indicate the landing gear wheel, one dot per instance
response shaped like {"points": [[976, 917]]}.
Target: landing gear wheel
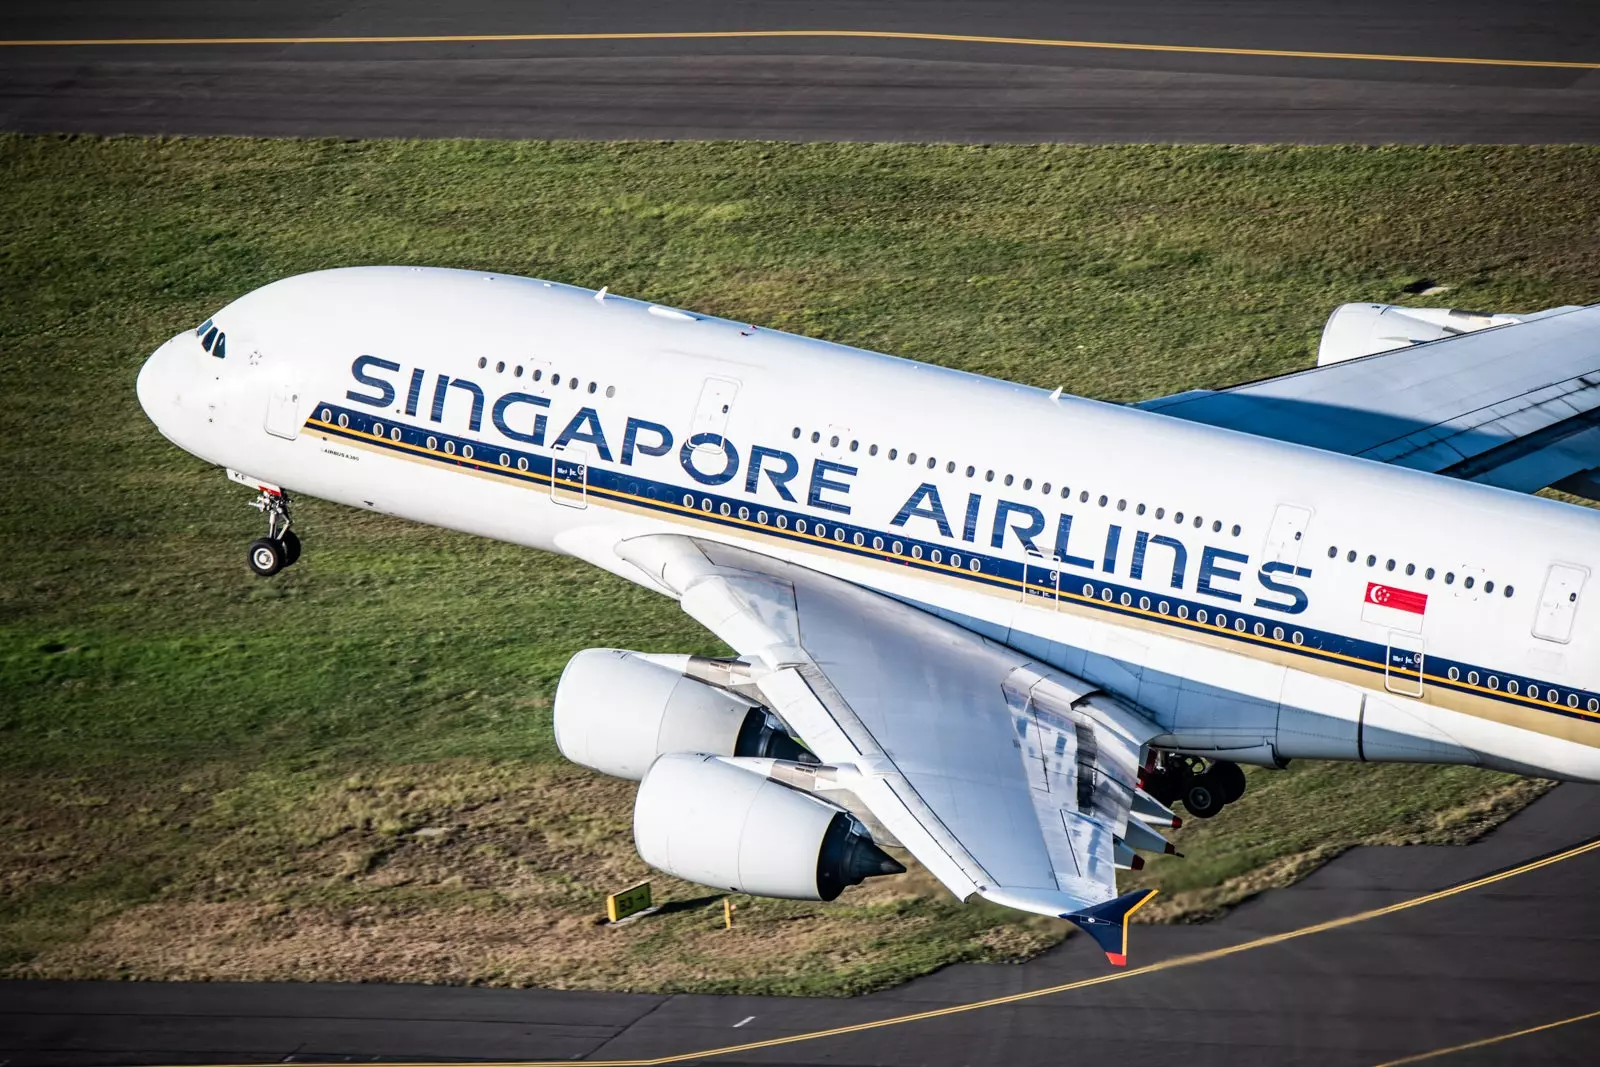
{"points": [[266, 556], [1229, 778], [1203, 796], [291, 555]]}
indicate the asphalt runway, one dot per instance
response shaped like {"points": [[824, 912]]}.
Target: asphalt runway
{"points": [[1512, 955], [812, 88]]}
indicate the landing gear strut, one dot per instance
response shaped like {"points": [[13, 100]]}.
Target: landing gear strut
{"points": [[280, 548], [1205, 787]]}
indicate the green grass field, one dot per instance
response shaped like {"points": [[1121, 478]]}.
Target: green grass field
{"points": [[348, 772]]}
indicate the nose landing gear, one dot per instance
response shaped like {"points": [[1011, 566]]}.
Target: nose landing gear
{"points": [[281, 547], [1205, 787]]}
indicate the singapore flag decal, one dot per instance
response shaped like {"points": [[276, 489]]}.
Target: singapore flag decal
{"points": [[1396, 609]]}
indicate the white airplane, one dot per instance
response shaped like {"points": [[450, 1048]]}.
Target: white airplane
{"points": [[998, 627]]}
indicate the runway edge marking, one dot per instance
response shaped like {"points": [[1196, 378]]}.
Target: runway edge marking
{"points": [[897, 35], [1016, 998]]}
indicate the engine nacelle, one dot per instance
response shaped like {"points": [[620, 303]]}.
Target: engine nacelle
{"points": [[713, 821], [1355, 330], [616, 711]]}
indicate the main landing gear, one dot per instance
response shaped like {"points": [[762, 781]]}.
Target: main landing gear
{"points": [[280, 548], [1204, 786]]}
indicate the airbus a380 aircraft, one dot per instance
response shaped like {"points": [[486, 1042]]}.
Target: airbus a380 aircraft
{"points": [[998, 627]]}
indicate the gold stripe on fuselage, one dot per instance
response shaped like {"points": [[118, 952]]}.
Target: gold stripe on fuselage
{"points": [[1480, 702]]}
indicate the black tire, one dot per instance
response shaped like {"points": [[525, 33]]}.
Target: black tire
{"points": [[291, 548], [266, 557], [1204, 797], [1230, 779]]}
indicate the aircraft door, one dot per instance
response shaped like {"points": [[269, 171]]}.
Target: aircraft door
{"points": [[1558, 604], [283, 412], [1041, 582], [1287, 535], [1402, 670], [711, 412], [569, 482]]}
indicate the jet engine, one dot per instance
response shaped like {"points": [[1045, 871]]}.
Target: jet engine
{"points": [[722, 822], [616, 711], [1355, 330]]}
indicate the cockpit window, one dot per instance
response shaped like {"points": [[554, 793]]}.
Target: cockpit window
{"points": [[211, 335], [202, 328], [220, 348]]}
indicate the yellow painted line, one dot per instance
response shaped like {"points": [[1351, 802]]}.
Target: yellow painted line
{"points": [[1174, 963], [892, 35], [1436, 1053]]}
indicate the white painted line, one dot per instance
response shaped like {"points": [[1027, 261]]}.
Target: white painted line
{"points": [[741, 1022]]}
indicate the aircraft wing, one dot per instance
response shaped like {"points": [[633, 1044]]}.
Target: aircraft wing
{"points": [[1516, 406], [1004, 777]]}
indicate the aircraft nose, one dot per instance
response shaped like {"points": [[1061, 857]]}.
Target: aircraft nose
{"points": [[159, 384]]}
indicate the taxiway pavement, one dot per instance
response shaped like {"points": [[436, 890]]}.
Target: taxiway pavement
{"points": [[1511, 955], [811, 88]]}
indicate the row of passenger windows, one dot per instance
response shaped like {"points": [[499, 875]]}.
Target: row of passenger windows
{"points": [[1550, 694], [538, 375], [1428, 574], [212, 339], [974, 563], [950, 467]]}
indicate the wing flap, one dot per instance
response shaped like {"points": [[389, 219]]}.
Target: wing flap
{"points": [[1004, 777]]}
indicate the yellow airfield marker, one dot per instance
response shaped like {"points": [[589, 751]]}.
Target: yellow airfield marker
{"points": [[629, 901]]}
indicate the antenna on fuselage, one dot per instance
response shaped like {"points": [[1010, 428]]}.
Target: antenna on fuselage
{"points": [[601, 295], [1055, 395]]}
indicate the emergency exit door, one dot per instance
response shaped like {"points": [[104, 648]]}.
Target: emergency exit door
{"points": [[714, 407], [1287, 534], [283, 412], [569, 482], [1558, 604]]}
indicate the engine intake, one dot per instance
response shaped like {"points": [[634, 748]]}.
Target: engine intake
{"points": [[616, 711], [713, 821]]}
